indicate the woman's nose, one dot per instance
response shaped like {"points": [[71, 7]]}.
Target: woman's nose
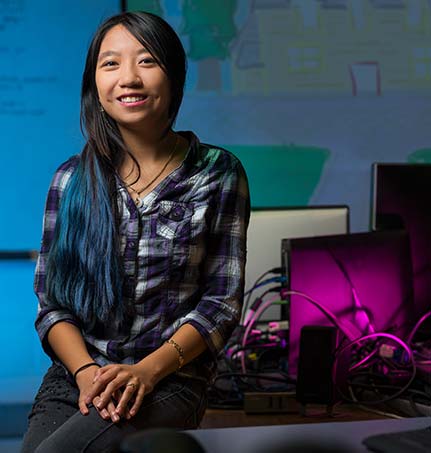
{"points": [[129, 78]]}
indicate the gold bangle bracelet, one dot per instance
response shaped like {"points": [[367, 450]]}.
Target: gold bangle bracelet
{"points": [[180, 351]]}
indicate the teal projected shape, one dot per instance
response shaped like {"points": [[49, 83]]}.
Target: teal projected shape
{"points": [[210, 26], [420, 156], [281, 175], [150, 6]]}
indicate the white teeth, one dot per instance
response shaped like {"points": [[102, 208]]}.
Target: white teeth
{"points": [[132, 98]]}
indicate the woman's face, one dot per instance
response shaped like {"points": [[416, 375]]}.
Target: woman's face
{"points": [[133, 89]]}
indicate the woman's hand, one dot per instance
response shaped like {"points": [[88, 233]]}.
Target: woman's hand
{"points": [[133, 381], [84, 380]]}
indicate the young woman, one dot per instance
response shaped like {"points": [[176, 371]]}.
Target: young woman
{"points": [[141, 271]]}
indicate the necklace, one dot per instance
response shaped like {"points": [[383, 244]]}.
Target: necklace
{"points": [[137, 199]]}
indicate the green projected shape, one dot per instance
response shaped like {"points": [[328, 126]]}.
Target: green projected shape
{"points": [[281, 175], [150, 6], [421, 156], [210, 26]]}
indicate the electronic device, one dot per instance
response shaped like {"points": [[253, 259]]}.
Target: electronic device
{"points": [[363, 279], [268, 227], [401, 195], [317, 347]]}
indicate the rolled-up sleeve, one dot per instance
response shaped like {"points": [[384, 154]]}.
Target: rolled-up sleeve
{"points": [[50, 313], [219, 309]]}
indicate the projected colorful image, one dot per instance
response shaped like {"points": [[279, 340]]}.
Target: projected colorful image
{"points": [[349, 78]]}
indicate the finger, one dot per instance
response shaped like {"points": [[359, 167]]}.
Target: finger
{"points": [[102, 370], [138, 401], [110, 390], [100, 384], [94, 391], [116, 397], [112, 413], [102, 412], [83, 407], [127, 395], [113, 387], [106, 373]]}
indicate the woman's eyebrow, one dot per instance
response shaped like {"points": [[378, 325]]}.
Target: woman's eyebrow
{"points": [[110, 53]]}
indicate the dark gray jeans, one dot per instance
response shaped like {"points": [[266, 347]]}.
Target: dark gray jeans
{"points": [[56, 425]]}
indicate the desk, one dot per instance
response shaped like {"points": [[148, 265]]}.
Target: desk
{"points": [[345, 437], [217, 418]]}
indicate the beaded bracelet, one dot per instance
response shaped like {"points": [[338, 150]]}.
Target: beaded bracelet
{"points": [[84, 367], [180, 351]]}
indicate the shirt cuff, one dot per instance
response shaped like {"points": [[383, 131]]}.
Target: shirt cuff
{"points": [[208, 331], [46, 321]]}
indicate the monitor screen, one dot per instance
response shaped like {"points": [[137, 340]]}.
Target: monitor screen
{"points": [[269, 226], [401, 195], [364, 279]]}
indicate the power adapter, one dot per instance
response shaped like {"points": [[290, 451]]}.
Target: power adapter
{"points": [[269, 402]]}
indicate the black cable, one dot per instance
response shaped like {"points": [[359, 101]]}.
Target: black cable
{"points": [[376, 389], [249, 346], [274, 270], [257, 376]]}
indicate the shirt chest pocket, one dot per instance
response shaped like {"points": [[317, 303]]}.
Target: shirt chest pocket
{"points": [[174, 221], [174, 225]]}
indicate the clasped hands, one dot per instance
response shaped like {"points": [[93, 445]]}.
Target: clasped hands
{"points": [[116, 391]]}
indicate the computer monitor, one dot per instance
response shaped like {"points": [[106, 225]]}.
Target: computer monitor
{"points": [[268, 226], [401, 197], [364, 279]]}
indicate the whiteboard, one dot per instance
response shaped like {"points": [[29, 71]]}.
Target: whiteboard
{"points": [[43, 46]]}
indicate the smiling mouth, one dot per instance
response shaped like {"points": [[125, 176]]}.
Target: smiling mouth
{"points": [[132, 99]]}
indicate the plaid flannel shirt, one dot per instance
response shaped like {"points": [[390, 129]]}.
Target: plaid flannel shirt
{"points": [[184, 252]]}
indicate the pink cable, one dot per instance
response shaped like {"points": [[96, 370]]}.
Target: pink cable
{"points": [[416, 327], [364, 360], [361, 314], [256, 316], [376, 335], [348, 329], [368, 337]]}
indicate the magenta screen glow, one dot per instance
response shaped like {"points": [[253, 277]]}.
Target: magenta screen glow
{"points": [[401, 195], [364, 279]]}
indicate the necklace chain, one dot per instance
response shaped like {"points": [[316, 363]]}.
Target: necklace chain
{"points": [[138, 192]]}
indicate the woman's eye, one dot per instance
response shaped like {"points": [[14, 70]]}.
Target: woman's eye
{"points": [[108, 63], [148, 60]]}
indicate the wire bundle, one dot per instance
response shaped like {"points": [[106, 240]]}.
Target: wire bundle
{"points": [[255, 358], [370, 368]]}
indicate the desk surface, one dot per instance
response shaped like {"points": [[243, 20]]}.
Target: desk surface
{"points": [[335, 437], [217, 418]]}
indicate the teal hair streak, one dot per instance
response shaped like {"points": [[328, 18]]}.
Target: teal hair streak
{"points": [[83, 269]]}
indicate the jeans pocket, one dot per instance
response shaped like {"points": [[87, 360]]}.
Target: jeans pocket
{"points": [[197, 407]]}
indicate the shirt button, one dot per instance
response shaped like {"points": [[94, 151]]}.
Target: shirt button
{"points": [[132, 244], [177, 214]]}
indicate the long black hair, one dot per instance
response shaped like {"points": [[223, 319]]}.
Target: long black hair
{"points": [[84, 270]]}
